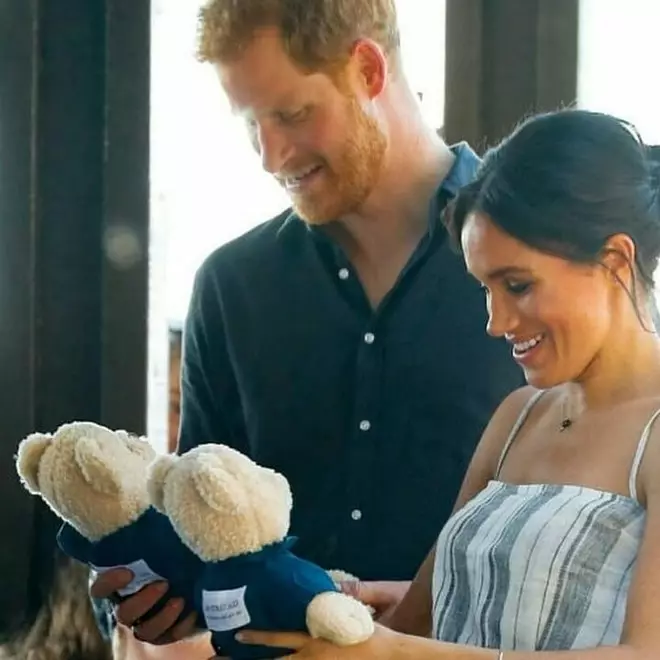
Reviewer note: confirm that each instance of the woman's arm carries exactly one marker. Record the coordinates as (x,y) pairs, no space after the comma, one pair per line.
(641,633)
(428,649)
(413,614)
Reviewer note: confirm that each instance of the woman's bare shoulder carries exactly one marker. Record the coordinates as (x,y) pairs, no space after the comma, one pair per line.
(509,412)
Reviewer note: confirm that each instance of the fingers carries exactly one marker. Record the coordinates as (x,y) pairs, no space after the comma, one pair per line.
(377,594)
(157,629)
(369,593)
(283,640)
(350,588)
(184,629)
(137,605)
(109,583)
(162,628)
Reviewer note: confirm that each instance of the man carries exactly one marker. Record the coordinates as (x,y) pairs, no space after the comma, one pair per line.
(341,343)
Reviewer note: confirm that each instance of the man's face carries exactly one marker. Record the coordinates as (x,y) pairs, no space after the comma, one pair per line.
(315,137)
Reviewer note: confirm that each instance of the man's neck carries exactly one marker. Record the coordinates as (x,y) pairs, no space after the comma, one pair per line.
(381,237)
(395,216)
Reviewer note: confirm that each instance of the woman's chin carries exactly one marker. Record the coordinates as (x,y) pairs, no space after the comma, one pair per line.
(541,379)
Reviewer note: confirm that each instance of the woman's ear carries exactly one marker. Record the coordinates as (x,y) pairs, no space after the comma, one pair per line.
(619,257)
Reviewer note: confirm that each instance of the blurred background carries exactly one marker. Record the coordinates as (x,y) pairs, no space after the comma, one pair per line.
(121,168)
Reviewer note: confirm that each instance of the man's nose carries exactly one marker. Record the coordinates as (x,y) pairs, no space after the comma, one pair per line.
(274,147)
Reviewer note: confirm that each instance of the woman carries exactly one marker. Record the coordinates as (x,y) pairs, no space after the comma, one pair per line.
(552,549)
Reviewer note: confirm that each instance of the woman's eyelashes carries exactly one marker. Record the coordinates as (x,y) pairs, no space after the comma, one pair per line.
(513,287)
(517,288)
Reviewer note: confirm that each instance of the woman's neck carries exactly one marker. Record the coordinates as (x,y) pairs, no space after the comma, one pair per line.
(627,368)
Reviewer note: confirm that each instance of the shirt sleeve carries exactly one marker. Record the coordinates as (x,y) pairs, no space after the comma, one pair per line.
(211,409)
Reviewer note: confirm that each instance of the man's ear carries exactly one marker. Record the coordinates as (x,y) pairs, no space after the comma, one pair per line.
(370,66)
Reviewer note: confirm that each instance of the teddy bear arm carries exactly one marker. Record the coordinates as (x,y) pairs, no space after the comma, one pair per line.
(339,618)
(284,601)
(308,600)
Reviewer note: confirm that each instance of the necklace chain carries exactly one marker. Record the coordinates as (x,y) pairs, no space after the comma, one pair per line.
(566,419)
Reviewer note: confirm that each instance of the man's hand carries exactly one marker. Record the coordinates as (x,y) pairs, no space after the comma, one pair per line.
(382,596)
(162,628)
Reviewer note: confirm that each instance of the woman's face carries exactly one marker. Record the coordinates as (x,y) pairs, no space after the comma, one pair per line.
(555,314)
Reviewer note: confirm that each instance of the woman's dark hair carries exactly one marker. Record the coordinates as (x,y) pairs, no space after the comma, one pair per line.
(564,183)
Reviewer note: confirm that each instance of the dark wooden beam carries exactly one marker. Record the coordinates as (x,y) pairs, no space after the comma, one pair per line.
(18,64)
(126,215)
(506,59)
(74,161)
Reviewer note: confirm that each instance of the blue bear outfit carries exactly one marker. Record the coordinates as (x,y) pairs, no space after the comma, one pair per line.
(152,539)
(265,590)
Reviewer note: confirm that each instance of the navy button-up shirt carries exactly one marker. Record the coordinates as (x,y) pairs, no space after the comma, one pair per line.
(372,415)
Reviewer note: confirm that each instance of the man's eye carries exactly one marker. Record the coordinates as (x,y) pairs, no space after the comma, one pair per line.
(294,117)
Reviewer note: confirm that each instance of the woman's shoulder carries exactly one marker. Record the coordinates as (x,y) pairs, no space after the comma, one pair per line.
(513,410)
(520,402)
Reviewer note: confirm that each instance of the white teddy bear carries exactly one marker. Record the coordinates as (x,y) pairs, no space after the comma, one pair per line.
(235,515)
(94,479)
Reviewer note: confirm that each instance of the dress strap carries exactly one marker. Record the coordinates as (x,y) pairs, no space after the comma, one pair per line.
(522,418)
(639,454)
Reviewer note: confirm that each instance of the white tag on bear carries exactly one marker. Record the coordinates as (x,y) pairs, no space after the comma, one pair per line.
(225,610)
(142,576)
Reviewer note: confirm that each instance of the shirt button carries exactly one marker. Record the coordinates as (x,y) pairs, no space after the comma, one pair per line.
(365,425)
(343,273)
(356,514)
(369,338)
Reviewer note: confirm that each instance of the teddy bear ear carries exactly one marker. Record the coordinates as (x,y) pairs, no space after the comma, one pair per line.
(281,484)
(28,459)
(95,465)
(137,444)
(214,483)
(156,476)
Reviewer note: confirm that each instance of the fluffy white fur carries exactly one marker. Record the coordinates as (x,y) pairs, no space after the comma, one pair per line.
(90,476)
(222,504)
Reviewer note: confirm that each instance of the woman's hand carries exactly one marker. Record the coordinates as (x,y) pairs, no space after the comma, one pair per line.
(382,645)
(384,597)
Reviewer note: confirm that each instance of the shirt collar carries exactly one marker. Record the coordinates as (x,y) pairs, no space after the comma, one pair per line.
(464,169)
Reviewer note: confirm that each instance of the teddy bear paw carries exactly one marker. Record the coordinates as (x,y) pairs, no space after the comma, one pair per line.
(339,618)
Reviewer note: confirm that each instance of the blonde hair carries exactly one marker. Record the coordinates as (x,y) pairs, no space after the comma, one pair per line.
(65,627)
(317,34)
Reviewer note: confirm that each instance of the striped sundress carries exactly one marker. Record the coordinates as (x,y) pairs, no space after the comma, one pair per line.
(538,567)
